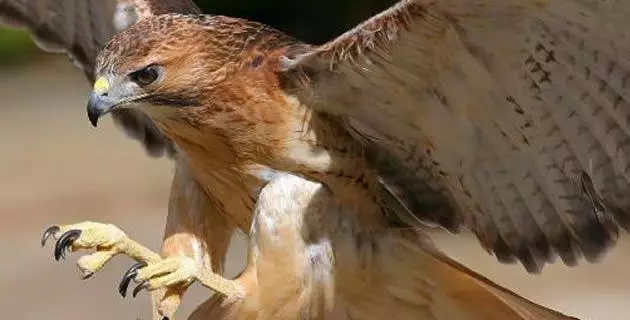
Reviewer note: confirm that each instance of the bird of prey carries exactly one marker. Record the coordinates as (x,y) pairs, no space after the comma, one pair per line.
(508,118)
(207,204)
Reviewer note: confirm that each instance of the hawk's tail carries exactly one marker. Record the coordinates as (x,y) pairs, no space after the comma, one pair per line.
(465,288)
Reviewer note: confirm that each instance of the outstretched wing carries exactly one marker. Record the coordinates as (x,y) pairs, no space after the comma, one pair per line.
(79,28)
(510,117)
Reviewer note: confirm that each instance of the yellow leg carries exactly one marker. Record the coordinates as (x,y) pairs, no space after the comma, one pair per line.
(107,239)
(154,272)
(175,271)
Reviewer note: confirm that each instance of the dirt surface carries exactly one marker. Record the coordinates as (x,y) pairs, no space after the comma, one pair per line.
(55,168)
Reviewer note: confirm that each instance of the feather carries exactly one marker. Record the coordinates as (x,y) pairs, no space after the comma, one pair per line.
(149,8)
(334,270)
(509,118)
(79,29)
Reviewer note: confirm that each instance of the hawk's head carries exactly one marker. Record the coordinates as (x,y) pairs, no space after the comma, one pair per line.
(170,64)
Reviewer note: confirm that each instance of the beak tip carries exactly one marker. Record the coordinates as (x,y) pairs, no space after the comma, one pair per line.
(98,105)
(93,117)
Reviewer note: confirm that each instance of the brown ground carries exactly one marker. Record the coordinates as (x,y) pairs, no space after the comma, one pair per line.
(54,168)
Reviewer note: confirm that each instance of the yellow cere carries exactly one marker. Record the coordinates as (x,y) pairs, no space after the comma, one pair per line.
(101,85)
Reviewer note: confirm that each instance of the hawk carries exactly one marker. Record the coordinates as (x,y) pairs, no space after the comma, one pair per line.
(508,118)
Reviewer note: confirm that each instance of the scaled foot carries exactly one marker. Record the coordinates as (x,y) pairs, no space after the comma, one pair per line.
(176,271)
(169,278)
(152,272)
(107,239)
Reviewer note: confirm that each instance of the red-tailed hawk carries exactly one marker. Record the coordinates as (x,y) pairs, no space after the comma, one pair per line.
(509,118)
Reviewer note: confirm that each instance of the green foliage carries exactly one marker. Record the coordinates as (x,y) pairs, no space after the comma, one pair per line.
(15,46)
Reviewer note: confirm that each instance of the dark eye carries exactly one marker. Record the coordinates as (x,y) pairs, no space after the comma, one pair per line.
(145,76)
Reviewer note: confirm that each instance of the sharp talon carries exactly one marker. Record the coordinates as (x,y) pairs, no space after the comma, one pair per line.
(128,276)
(87,275)
(143,285)
(64,242)
(48,233)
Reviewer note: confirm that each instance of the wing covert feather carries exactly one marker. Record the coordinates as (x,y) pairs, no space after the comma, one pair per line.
(511,118)
(66,26)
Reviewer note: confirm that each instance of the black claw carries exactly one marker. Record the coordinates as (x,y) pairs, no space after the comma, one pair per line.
(142,286)
(64,242)
(128,276)
(87,275)
(48,233)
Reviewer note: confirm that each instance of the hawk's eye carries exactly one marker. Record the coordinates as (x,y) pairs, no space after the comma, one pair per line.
(145,76)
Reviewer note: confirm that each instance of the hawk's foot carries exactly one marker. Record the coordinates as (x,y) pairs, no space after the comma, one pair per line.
(176,272)
(107,239)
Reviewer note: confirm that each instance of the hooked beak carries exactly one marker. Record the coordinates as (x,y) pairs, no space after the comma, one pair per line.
(99,102)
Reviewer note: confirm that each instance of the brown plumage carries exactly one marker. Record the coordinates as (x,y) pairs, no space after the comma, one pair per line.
(504,117)
(206,204)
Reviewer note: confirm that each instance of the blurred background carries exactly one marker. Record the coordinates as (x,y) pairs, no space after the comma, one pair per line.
(55,168)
